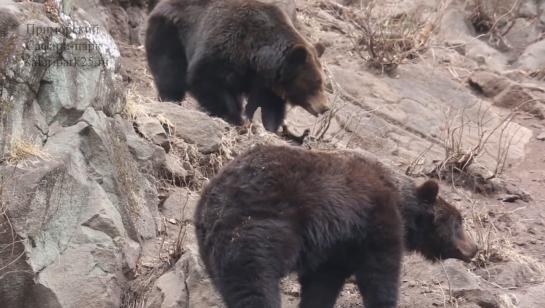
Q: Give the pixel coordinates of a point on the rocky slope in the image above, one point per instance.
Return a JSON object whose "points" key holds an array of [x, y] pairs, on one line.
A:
{"points": [[98, 180]]}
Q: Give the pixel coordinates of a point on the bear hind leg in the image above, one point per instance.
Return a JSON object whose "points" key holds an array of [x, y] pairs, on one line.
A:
{"points": [[213, 95], [262, 292], [249, 278], [166, 59], [250, 261], [321, 287], [219, 103]]}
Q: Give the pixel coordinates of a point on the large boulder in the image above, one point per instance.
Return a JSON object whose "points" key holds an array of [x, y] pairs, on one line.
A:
{"points": [[75, 204]]}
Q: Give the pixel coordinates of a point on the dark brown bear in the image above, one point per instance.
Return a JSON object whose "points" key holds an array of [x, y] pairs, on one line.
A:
{"points": [[324, 215], [224, 50]]}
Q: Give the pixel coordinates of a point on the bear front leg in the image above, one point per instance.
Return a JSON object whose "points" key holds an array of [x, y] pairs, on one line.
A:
{"points": [[299, 139], [378, 276], [273, 108], [321, 288]]}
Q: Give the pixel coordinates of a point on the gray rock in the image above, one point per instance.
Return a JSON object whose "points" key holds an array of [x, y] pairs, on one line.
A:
{"points": [[152, 129], [483, 298], [124, 20], [515, 273], [65, 234], [457, 277], [532, 297], [489, 84], [384, 110], [192, 126], [533, 57], [528, 9], [78, 214], [288, 6], [516, 96], [169, 292], [541, 137], [458, 46], [186, 286], [509, 300], [174, 170], [541, 12], [180, 205], [202, 293], [148, 155], [521, 34], [506, 93]]}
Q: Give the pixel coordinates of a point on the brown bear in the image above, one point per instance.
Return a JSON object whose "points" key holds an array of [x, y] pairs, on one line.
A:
{"points": [[324, 215], [224, 50]]}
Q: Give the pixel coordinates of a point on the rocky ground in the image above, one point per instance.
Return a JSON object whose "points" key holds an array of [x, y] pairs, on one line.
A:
{"points": [[98, 180]]}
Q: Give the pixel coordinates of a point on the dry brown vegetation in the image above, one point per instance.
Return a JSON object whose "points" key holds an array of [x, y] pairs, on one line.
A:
{"points": [[5, 106], [495, 244], [462, 151], [200, 167], [538, 74], [492, 20], [24, 151], [6, 50], [458, 155], [385, 39], [11, 248]]}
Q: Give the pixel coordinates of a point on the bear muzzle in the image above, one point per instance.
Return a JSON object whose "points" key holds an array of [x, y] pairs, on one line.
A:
{"points": [[466, 248], [317, 105]]}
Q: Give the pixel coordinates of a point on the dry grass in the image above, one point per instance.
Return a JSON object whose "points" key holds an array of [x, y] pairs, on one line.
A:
{"points": [[495, 239], [459, 155], [465, 141], [127, 176], [493, 19], [23, 151], [170, 251], [12, 251], [136, 295], [166, 123], [343, 132], [383, 39], [199, 166], [485, 233], [6, 50], [323, 123], [133, 108], [52, 10], [538, 74], [5, 105]]}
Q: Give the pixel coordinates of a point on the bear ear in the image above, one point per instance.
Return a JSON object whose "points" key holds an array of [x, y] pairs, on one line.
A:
{"points": [[297, 55], [320, 49], [428, 191]]}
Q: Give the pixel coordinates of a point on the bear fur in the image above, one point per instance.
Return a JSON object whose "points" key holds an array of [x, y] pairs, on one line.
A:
{"points": [[324, 215], [223, 51]]}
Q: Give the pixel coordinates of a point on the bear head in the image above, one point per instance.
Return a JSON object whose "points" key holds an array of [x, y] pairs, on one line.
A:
{"points": [[302, 79], [435, 227]]}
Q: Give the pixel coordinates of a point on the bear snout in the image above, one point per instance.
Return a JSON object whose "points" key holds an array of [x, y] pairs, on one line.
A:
{"points": [[466, 248], [317, 105]]}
